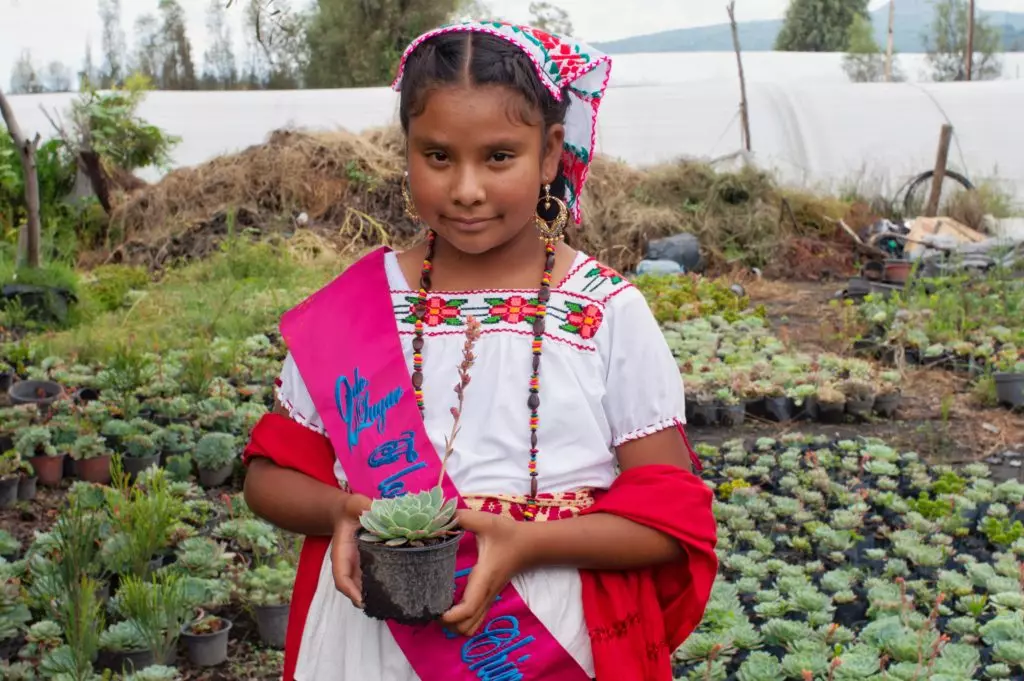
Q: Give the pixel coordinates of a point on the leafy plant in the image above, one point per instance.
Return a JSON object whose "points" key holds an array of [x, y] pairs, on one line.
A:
{"points": [[410, 519]]}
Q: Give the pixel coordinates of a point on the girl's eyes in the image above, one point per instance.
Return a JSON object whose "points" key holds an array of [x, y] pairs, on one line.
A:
{"points": [[442, 157], [437, 156], [502, 157]]}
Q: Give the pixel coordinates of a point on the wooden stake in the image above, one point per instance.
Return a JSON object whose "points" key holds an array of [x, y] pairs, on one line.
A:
{"points": [[27, 153], [969, 57], [941, 158], [890, 42], [744, 110]]}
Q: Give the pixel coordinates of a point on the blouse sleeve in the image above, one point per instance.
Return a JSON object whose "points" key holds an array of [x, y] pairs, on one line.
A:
{"points": [[643, 389], [293, 396]]}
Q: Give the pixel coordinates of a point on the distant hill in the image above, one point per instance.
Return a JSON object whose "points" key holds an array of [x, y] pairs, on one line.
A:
{"points": [[913, 18]]}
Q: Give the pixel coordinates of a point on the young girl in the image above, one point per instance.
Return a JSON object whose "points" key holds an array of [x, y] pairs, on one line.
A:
{"points": [[593, 541]]}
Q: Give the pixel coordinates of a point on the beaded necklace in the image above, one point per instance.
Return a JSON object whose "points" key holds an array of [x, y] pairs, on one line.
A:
{"points": [[533, 402]]}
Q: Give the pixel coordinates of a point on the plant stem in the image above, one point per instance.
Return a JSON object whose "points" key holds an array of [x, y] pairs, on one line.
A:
{"points": [[468, 358]]}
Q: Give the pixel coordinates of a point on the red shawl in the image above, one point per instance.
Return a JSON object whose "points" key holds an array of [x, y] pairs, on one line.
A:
{"points": [[636, 619]]}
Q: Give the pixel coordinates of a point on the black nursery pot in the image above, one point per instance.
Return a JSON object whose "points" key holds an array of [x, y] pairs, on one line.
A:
{"points": [[1010, 389], [886, 405], [408, 585], [831, 412], [779, 409], [730, 415], [705, 414]]}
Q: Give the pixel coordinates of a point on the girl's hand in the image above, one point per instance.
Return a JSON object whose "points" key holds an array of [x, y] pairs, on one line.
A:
{"points": [[348, 578], [503, 552]]}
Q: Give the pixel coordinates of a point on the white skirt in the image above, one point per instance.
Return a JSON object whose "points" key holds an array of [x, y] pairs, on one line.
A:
{"points": [[339, 643]]}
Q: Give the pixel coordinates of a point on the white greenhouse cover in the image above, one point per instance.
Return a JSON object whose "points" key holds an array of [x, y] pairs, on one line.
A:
{"points": [[809, 123]]}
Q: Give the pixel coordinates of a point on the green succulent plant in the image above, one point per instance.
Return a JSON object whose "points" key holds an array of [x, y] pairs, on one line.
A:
{"points": [[409, 519]]}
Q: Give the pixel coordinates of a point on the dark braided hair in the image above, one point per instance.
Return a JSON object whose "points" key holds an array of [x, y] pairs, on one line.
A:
{"points": [[474, 58]]}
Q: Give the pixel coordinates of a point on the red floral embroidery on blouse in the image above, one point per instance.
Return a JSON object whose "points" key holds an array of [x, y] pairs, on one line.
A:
{"points": [[439, 311], [583, 320], [512, 310]]}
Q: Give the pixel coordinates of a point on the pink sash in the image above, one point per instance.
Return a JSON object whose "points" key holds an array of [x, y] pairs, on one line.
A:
{"points": [[345, 342]]}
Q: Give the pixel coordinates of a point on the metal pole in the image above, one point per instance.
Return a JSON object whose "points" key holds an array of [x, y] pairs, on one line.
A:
{"points": [[969, 57], [889, 45]]}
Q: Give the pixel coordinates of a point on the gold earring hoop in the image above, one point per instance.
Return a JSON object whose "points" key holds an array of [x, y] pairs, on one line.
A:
{"points": [[552, 232], [410, 208]]}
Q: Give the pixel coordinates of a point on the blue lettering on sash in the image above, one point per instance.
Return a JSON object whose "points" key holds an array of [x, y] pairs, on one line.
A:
{"points": [[352, 399], [393, 486], [391, 451]]}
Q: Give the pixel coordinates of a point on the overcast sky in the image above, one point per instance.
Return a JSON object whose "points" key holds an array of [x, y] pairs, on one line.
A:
{"points": [[59, 29]]}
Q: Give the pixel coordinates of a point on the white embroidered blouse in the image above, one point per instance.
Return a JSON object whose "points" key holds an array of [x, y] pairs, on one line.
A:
{"points": [[606, 377]]}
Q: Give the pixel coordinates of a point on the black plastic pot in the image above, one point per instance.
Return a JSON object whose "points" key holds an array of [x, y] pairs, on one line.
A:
{"points": [[8, 492], [6, 380], [779, 409], [39, 393], [408, 585], [730, 415], [272, 623], [215, 478], [133, 465], [207, 650], [756, 409], [861, 408], [43, 303], [704, 414], [27, 487], [808, 411], [83, 395], [831, 412], [886, 405], [128, 661], [1010, 389]]}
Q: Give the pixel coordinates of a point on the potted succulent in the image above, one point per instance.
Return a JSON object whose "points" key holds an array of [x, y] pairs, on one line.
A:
{"points": [[27, 480], [831, 403], [140, 453], [731, 411], [267, 589], [35, 445], [1010, 384], [206, 638], [407, 553], [215, 458], [888, 397], [860, 397], [10, 475], [42, 393], [123, 648], [92, 458]]}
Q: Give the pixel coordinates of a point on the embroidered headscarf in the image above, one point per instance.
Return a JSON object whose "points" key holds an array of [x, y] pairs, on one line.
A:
{"points": [[560, 62]]}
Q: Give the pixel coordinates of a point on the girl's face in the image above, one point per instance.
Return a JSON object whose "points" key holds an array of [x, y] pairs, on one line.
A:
{"points": [[476, 167]]}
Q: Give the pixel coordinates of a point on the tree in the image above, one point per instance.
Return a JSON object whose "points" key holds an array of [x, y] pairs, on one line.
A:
{"points": [[24, 76], [355, 43], [115, 59], [864, 61], [549, 18], [472, 9], [946, 44], [27, 149], [220, 69], [88, 76], [57, 77], [819, 25], [177, 70], [277, 45]]}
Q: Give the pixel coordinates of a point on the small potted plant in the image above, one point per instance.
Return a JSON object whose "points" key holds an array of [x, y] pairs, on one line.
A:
{"points": [[206, 638], [92, 458], [731, 411], [27, 480], [831, 403], [267, 589], [860, 397], [1010, 383], [140, 453], [408, 544], [124, 648], [10, 474], [888, 398], [215, 458], [35, 445]]}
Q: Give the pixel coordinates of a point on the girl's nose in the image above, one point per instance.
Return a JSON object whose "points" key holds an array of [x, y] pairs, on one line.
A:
{"points": [[468, 187]]}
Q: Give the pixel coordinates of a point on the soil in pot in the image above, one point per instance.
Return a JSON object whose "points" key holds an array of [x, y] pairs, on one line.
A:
{"points": [[886, 405], [134, 465], [272, 623], [780, 409], [1010, 389], [39, 393], [8, 491], [27, 487], [730, 415], [49, 469], [408, 585], [216, 478], [95, 470], [210, 649], [127, 661]]}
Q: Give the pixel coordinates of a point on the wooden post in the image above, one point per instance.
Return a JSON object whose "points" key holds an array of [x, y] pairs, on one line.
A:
{"points": [[969, 57], [891, 40], [27, 153], [744, 110], [941, 158]]}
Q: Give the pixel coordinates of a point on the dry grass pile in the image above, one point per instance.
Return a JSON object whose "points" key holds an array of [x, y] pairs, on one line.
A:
{"points": [[349, 186]]}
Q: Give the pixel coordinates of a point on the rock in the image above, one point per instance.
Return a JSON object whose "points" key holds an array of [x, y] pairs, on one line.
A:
{"points": [[1011, 454], [659, 267], [681, 248]]}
